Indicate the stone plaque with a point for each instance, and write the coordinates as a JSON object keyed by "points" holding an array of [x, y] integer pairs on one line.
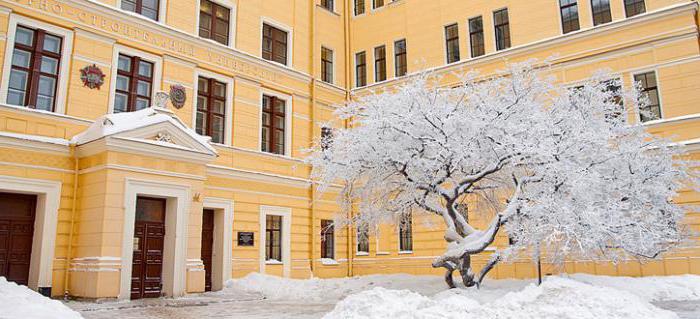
{"points": [[246, 238]]}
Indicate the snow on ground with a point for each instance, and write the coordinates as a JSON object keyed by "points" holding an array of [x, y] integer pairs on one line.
{"points": [[403, 296], [20, 302], [556, 298]]}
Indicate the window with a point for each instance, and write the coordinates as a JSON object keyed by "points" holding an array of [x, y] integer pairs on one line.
{"points": [[359, 7], [36, 60], [377, 4], [634, 7], [360, 69], [214, 21], [274, 46], [502, 27], [452, 43], [273, 238], [406, 234], [379, 64], [326, 65], [211, 109], [362, 240], [476, 36], [327, 239], [326, 137], [273, 125], [614, 87], [400, 63], [601, 12], [328, 5], [569, 15], [147, 8], [650, 89], [134, 84]]}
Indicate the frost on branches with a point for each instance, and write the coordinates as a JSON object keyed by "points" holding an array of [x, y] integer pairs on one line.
{"points": [[559, 169]]}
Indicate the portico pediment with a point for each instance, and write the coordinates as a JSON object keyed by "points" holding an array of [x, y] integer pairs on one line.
{"points": [[152, 131]]}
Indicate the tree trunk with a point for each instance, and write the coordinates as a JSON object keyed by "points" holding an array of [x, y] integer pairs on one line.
{"points": [[466, 272]]}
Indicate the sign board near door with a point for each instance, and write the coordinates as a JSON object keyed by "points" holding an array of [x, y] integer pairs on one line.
{"points": [[246, 238]]}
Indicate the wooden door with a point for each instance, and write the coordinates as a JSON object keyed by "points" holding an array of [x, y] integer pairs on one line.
{"points": [[149, 239], [17, 212], [207, 245]]}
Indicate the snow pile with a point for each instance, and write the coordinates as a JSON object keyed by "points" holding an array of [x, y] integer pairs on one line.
{"points": [[669, 288], [331, 290], [557, 298], [20, 302]]}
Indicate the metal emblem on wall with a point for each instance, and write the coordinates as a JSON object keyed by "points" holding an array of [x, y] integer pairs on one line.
{"points": [[178, 96], [92, 76]]}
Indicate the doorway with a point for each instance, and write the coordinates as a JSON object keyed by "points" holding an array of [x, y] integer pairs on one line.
{"points": [[207, 246], [17, 214], [149, 240]]}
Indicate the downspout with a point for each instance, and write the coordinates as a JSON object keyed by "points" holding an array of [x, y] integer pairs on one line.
{"points": [[312, 62], [74, 201], [348, 86]]}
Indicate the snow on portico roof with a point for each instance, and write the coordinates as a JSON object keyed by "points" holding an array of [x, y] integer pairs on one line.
{"points": [[115, 123]]}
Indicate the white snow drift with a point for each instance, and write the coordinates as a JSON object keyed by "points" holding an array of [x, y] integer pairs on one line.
{"points": [[20, 302], [557, 298]]}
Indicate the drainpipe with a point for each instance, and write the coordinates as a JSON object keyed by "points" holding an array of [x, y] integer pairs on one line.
{"points": [[74, 202], [348, 86], [312, 63]]}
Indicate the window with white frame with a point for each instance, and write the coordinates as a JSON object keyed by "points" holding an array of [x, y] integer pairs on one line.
{"points": [[274, 125], [273, 238], [650, 90], [359, 7], [326, 65], [214, 21], [146, 8], [274, 44], [569, 15], [134, 83], [601, 11], [328, 5], [327, 239], [211, 108]]}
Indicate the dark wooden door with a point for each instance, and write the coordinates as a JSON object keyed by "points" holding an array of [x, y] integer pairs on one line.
{"points": [[149, 238], [17, 212], [207, 245]]}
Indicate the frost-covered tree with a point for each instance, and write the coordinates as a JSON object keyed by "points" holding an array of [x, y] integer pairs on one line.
{"points": [[559, 169]]}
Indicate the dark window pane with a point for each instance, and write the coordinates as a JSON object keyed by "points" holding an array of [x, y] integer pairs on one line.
{"points": [[359, 7], [601, 11], [634, 7], [650, 90], [452, 43], [360, 69], [502, 28], [476, 36], [380, 64]]}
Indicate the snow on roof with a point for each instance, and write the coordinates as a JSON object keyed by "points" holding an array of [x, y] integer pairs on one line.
{"points": [[111, 124], [36, 138]]}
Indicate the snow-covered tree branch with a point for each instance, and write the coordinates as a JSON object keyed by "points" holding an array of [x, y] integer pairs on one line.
{"points": [[561, 168]]}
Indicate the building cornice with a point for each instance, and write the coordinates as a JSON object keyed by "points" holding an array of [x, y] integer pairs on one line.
{"points": [[229, 172]]}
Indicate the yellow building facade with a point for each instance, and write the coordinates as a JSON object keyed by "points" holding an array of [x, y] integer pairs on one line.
{"points": [[109, 189]]}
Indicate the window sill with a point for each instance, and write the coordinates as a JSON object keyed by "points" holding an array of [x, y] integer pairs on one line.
{"points": [[329, 262], [273, 262], [330, 11], [361, 253], [227, 46], [405, 252], [383, 253]]}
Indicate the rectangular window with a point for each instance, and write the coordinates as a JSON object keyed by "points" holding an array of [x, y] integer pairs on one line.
{"points": [[327, 239], [362, 240], [274, 46], [377, 4], [273, 125], [452, 43], [134, 84], [146, 8], [476, 36], [650, 90], [273, 238], [601, 11], [502, 27], [634, 7], [400, 61], [406, 234], [36, 60], [359, 7], [326, 137], [614, 87], [569, 15], [360, 69], [326, 65], [328, 5], [211, 109], [214, 21], [379, 64]]}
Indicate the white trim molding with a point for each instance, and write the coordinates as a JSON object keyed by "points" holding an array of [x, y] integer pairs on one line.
{"points": [[44, 238], [178, 198], [64, 68], [286, 214], [223, 239]]}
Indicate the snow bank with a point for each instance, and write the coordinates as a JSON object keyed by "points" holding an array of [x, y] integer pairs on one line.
{"points": [[330, 290], [20, 302], [668, 288], [557, 298]]}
